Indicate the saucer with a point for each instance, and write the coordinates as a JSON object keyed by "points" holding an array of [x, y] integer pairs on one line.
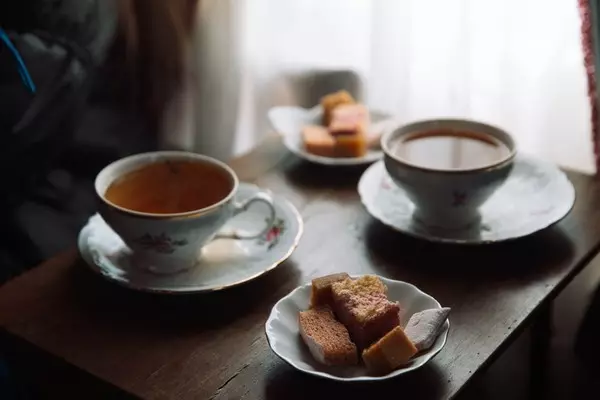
{"points": [[289, 122], [222, 264], [535, 195], [283, 333]]}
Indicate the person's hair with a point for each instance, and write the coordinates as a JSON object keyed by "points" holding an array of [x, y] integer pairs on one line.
{"points": [[152, 38]]}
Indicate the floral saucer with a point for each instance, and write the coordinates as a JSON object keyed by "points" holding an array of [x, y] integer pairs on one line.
{"points": [[289, 122], [535, 196], [222, 264], [283, 333]]}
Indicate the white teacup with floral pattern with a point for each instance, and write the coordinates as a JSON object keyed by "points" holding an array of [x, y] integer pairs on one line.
{"points": [[169, 243]]}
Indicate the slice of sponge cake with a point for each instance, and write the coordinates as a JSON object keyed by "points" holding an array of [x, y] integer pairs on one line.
{"points": [[348, 146], [349, 119], [321, 289], [362, 306], [326, 338], [390, 352], [333, 100], [318, 141]]}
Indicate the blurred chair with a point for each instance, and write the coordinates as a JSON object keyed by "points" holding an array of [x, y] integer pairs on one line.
{"points": [[310, 86]]}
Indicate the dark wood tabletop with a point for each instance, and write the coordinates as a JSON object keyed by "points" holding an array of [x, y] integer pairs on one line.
{"points": [[214, 346]]}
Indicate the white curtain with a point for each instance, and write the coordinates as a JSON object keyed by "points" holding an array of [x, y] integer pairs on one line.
{"points": [[515, 63]]}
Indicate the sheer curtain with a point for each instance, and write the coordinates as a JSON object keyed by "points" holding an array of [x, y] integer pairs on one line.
{"points": [[514, 63]]}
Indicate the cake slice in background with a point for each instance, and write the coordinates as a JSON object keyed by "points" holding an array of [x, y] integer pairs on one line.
{"points": [[391, 351], [349, 119], [350, 146], [326, 338], [349, 125], [318, 141], [331, 101], [362, 306]]}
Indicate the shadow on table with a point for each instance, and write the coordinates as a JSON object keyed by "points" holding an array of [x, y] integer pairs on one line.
{"points": [[178, 313], [35, 374], [307, 175], [535, 256], [287, 383]]}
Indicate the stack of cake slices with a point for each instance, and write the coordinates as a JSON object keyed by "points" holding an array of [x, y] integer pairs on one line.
{"points": [[351, 317], [344, 129]]}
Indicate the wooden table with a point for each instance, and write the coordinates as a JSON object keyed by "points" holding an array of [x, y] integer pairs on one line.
{"points": [[100, 337]]}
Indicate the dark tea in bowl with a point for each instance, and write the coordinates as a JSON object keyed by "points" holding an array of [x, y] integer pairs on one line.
{"points": [[448, 168], [450, 149], [167, 205]]}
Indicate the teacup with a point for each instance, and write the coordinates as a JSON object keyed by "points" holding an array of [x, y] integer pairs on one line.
{"points": [[167, 205], [448, 168]]}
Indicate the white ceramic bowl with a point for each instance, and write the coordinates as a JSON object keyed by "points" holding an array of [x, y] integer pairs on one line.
{"points": [[283, 332], [446, 198]]}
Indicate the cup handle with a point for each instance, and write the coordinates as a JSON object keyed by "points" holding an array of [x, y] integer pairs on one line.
{"points": [[260, 197]]}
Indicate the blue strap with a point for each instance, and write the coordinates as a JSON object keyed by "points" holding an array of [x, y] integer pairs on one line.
{"points": [[23, 72]]}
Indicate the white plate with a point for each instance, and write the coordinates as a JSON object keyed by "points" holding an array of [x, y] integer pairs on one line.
{"points": [[223, 263], [536, 195], [283, 333], [289, 122]]}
